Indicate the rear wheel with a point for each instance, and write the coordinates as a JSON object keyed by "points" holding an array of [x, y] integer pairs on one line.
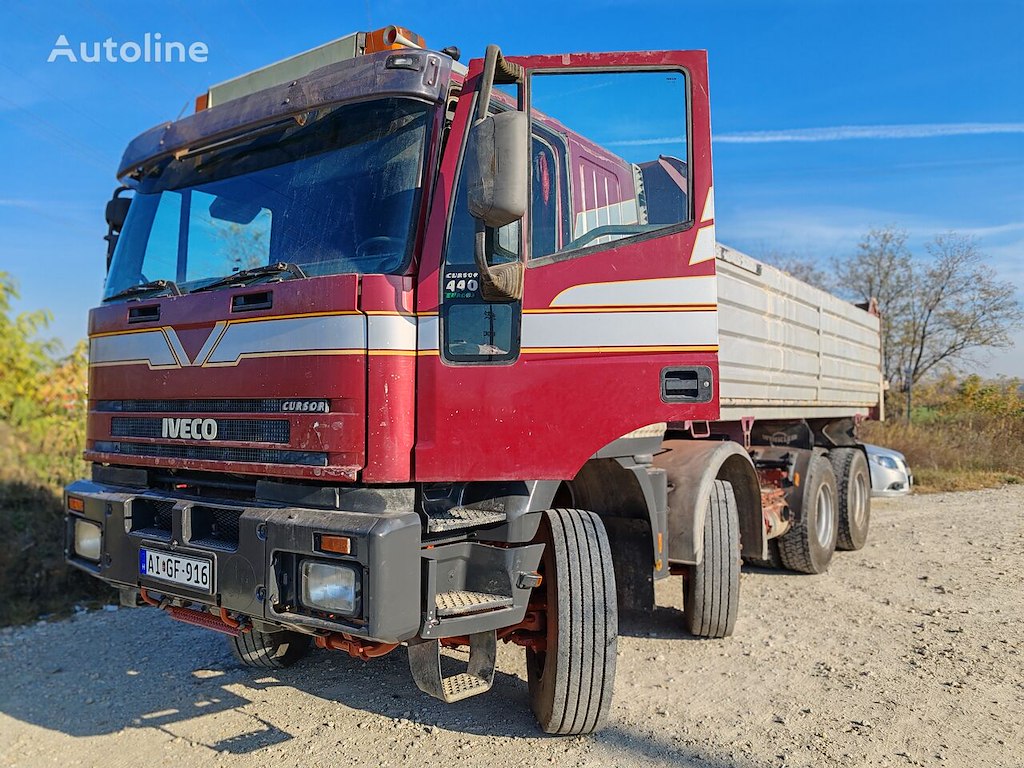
{"points": [[269, 650], [711, 595], [811, 540], [571, 680], [854, 485]]}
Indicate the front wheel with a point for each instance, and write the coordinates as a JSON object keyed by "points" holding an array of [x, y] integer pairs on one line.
{"points": [[269, 650], [571, 679]]}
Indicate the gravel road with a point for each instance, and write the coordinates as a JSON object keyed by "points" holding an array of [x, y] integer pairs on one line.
{"points": [[908, 652]]}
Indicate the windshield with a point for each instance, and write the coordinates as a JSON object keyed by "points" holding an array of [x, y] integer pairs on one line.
{"points": [[332, 191]]}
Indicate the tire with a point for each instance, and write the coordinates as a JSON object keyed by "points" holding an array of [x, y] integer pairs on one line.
{"points": [[571, 681], [774, 560], [711, 590], [854, 482], [269, 650], [808, 545]]}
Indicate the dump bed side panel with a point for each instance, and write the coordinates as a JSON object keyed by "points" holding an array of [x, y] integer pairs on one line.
{"points": [[789, 350]]}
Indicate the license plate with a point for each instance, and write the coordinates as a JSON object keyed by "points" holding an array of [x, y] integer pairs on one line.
{"points": [[192, 572]]}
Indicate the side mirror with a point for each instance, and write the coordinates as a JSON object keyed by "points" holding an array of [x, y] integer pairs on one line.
{"points": [[496, 160], [116, 213], [497, 190]]}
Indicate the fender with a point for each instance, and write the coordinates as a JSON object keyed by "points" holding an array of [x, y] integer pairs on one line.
{"points": [[692, 466]]}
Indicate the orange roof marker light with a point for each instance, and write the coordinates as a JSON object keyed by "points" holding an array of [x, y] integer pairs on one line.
{"points": [[350, 46], [392, 38]]}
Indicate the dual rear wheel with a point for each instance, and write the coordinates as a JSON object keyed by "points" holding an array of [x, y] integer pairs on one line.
{"points": [[854, 495], [835, 511]]}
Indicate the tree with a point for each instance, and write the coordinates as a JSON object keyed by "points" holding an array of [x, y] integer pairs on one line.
{"points": [[936, 311], [42, 394], [22, 355]]}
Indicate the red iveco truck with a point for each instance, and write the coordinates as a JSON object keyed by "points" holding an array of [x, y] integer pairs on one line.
{"points": [[393, 351]]}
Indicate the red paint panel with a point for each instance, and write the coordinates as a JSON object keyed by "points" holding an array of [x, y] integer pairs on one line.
{"points": [[331, 293], [546, 419], [391, 380], [340, 378], [391, 422], [387, 293]]}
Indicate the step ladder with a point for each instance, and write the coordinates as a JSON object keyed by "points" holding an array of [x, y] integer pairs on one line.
{"points": [[425, 663]]}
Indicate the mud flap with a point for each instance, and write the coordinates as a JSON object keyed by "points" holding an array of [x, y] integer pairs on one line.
{"points": [[425, 664]]}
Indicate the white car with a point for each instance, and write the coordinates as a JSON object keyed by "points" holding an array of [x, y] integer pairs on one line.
{"points": [[890, 473]]}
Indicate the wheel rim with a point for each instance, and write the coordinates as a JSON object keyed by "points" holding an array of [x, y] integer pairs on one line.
{"points": [[859, 500], [824, 508]]}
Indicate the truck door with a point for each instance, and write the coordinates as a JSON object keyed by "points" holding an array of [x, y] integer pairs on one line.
{"points": [[617, 325]]}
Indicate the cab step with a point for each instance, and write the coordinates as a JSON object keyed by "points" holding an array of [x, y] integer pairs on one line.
{"points": [[459, 603], [425, 664], [457, 518]]}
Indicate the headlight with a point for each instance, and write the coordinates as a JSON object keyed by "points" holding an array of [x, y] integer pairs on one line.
{"points": [[87, 540], [884, 461], [330, 588]]}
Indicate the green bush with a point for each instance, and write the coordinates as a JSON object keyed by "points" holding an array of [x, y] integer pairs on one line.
{"points": [[42, 433]]}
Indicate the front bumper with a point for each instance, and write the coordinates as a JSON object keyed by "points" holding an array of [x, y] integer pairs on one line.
{"points": [[890, 482], [256, 552]]}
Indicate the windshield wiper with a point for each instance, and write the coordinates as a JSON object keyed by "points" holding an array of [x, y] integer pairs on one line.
{"points": [[151, 286], [248, 275]]}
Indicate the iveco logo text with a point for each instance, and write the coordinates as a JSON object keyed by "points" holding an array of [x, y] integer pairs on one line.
{"points": [[189, 429], [305, 406]]}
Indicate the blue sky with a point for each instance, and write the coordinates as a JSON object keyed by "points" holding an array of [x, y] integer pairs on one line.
{"points": [[829, 116]]}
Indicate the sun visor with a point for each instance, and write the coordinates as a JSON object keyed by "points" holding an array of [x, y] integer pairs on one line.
{"points": [[364, 77]]}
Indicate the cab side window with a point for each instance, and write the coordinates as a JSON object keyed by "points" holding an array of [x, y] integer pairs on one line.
{"points": [[550, 194]]}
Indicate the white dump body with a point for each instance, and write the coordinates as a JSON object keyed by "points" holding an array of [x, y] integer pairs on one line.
{"points": [[789, 350]]}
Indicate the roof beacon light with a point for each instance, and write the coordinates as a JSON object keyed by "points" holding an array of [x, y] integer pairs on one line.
{"points": [[392, 38]]}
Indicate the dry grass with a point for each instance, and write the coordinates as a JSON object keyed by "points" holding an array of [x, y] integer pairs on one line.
{"points": [[956, 452], [938, 480]]}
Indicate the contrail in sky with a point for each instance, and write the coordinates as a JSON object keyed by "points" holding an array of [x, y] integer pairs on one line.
{"points": [[846, 133]]}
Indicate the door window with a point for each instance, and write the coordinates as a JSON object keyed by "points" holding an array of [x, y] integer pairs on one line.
{"points": [[622, 140]]}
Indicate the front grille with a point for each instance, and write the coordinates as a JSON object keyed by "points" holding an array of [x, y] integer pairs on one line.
{"points": [[215, 527], [237, 430], [151, 517], [261, 405], [209, 453]]}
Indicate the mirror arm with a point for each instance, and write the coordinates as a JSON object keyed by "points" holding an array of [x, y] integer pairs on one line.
{"points": [[499, 282], [494, 65]]}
